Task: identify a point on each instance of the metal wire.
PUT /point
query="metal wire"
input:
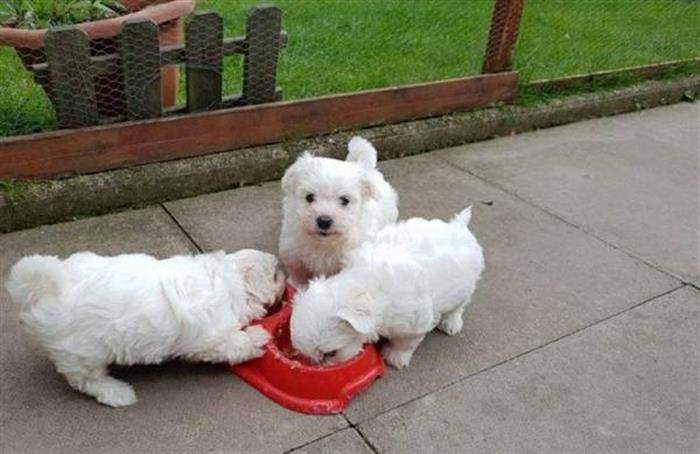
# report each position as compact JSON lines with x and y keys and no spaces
{"x":562,"y":38}
{"x":334,"y":46}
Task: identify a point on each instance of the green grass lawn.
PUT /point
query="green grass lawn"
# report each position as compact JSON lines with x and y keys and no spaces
{"x":346,"y":45}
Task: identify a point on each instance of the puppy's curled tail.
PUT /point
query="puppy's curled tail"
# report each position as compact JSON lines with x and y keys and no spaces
{"x":463,"y":217}
{"x":362,"y":152}
{"x":35,"y":278}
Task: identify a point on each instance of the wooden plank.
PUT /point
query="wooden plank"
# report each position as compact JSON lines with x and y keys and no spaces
{"x":204,"y":47}
{"x":263,"y":31}
{"x":108,"y":147}
{"x":72,"y":84}
{"x":632,"y":72}
{"x":233,"y":46}
{"x":226,"y":103}
{"x":140,"y":59}
{"x":169,"y":55}
{"x":173,"y":55}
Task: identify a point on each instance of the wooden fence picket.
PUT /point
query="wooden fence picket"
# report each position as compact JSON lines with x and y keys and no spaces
{"x":72,"y":88}
{"x":139,"y":53}
{"x":204,"y":38}
{"x":263,"y":43}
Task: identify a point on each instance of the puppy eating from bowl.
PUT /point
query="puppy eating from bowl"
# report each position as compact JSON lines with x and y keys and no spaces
{"x":330,"y":207}
{"x":89,"y":311}
{"x":413,"y":276}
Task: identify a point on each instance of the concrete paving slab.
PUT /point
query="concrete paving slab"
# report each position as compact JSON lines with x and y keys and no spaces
{"x":543,"y":279}
{"x":249,"y":217}
{"x":181,"y":408}
{"x":633,"y":180}
{"x":150,"y":230}
{"x":628,"y":384}
{"x":346,"y":441}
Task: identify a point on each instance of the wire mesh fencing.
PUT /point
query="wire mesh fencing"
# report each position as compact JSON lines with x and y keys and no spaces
{"x":62,"y":61}
{"x":143,"y":65}
{"x":562,"y":38}
{"x":340,"y":46}
{"x":164,"y":64}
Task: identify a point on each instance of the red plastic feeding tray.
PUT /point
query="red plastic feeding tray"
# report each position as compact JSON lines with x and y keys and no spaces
{"x":297,"y":385}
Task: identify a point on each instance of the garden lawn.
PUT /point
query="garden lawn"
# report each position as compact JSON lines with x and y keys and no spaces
{"x":347,"y":45}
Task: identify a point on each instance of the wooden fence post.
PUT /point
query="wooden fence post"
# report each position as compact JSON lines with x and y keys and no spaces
{"x":503,"y":35}
{"x":72,"y":84}
{"x":204,"y":38}
{"x":139,"y":53}
{"x":263,"y":44}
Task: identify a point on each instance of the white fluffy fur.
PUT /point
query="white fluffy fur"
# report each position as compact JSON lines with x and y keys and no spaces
{"x":306,"y":250}
{"x":414,"y":276}
{"x":90,"y":311}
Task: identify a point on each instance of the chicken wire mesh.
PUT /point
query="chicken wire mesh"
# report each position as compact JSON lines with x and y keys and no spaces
{"x":133,"y":67}
{"x":334,"y":46}
{"x":562,"y":37}
{"x":59,"y":75}
{"x":339,"y":46}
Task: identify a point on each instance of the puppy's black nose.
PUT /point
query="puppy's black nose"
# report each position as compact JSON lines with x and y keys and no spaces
{"x":324,"y":222}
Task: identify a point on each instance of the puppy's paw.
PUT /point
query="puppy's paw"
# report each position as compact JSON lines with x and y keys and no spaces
{"x":258,"y":336}
{"x":116,"y":394}
{"x":451,"y":325}
{"x":397,"y":359}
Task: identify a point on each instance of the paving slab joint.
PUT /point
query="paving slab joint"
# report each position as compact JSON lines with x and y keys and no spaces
{"x":181,"y":228}
{"x":359,"y":432}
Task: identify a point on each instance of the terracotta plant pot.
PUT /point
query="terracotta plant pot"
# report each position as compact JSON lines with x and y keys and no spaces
{"x":102,"y":34}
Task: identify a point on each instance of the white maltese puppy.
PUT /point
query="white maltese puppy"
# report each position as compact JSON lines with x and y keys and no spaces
{"x":330,"y":207}
{"x":414,"y":276}
{"x":90,"y":311}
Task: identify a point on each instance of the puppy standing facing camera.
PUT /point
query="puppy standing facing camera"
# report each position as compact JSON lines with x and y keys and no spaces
{"x":330,"y":207}
{"x":90,"y":311}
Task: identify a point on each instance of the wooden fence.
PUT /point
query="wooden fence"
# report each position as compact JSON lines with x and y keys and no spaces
{"x":236,"y":122}
{"x":138,"y":61}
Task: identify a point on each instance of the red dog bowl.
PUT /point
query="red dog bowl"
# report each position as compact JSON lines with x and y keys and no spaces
{"x":289,"y":380}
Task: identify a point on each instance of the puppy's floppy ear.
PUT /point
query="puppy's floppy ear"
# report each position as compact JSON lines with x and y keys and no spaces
{"x":362,"y":152}
{"x":292,"y":177}
{"x":369,"y":189}
{"x":360,"y":317}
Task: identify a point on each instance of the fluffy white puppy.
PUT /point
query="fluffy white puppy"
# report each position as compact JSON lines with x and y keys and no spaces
{"x":414,"y":276}
{"x":330,"y":207}
{"x":90,"y":311}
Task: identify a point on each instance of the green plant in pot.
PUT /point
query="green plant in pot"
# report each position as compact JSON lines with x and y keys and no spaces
{"x":37,"y":14}
{"x":24,"y":24}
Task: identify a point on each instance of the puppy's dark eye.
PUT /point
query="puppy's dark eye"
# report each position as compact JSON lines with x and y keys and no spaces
{"x":310,"y":198}
{"x":344,"y":201}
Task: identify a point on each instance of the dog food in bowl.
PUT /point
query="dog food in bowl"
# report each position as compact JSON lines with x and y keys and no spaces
{"x":283,"y":343}
{"x":293,"y":382}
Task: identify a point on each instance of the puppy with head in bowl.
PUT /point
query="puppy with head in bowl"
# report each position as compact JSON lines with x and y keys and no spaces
{"x":412,"y":277}
{"x":89,"y":311}
{"x":330,"y":207}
